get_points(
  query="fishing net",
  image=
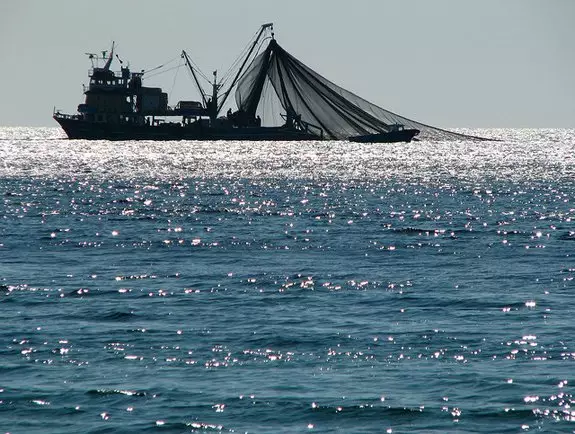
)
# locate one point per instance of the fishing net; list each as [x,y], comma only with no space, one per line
[279,88]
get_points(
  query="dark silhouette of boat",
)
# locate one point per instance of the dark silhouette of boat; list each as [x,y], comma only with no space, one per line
[118,106]
[78,128]
[397,133]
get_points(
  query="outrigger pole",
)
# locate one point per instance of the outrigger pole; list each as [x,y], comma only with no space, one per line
[240,71]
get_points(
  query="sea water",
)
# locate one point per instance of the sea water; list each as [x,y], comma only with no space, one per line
[287,287]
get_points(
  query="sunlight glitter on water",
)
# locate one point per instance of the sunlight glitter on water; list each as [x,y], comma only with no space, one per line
[46,155]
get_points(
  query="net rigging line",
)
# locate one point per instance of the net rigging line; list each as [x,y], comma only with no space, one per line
[163,65]
[174,81]
[254,55]
[233,67]
[164,71]
[196,68]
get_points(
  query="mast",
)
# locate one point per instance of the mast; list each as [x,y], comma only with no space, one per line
[213,106]
[110,58]
[241,70]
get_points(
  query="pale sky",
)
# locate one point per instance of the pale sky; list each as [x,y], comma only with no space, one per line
[448,63]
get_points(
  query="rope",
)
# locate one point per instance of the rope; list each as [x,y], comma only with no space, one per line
[164,71]
[174,82]
[240,57]
[161,66]
[199,71]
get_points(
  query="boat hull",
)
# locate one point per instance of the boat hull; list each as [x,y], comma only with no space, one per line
[81,129]
[405,135]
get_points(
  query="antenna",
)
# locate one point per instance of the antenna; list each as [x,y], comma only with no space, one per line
[91,56]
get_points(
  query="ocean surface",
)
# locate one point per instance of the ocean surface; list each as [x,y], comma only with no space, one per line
[176,287]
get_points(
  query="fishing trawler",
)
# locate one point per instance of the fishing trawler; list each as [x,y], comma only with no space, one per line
[277,98]
[119,107]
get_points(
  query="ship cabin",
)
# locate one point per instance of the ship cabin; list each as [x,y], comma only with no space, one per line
[119,97]
[113,97]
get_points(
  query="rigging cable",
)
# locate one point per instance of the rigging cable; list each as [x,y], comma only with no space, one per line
[174,82]
[161,66]
[199,71]
[239,58]
[254,55]
[164,71]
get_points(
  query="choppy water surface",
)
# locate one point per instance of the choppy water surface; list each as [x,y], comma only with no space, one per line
[287,287]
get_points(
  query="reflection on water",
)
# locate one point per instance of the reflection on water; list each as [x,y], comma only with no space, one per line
[286,287]
[521,154]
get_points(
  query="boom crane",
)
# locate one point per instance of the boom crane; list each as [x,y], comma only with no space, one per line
[192,70]
[263,28]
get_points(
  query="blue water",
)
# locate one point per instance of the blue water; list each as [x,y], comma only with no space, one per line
[287,287]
